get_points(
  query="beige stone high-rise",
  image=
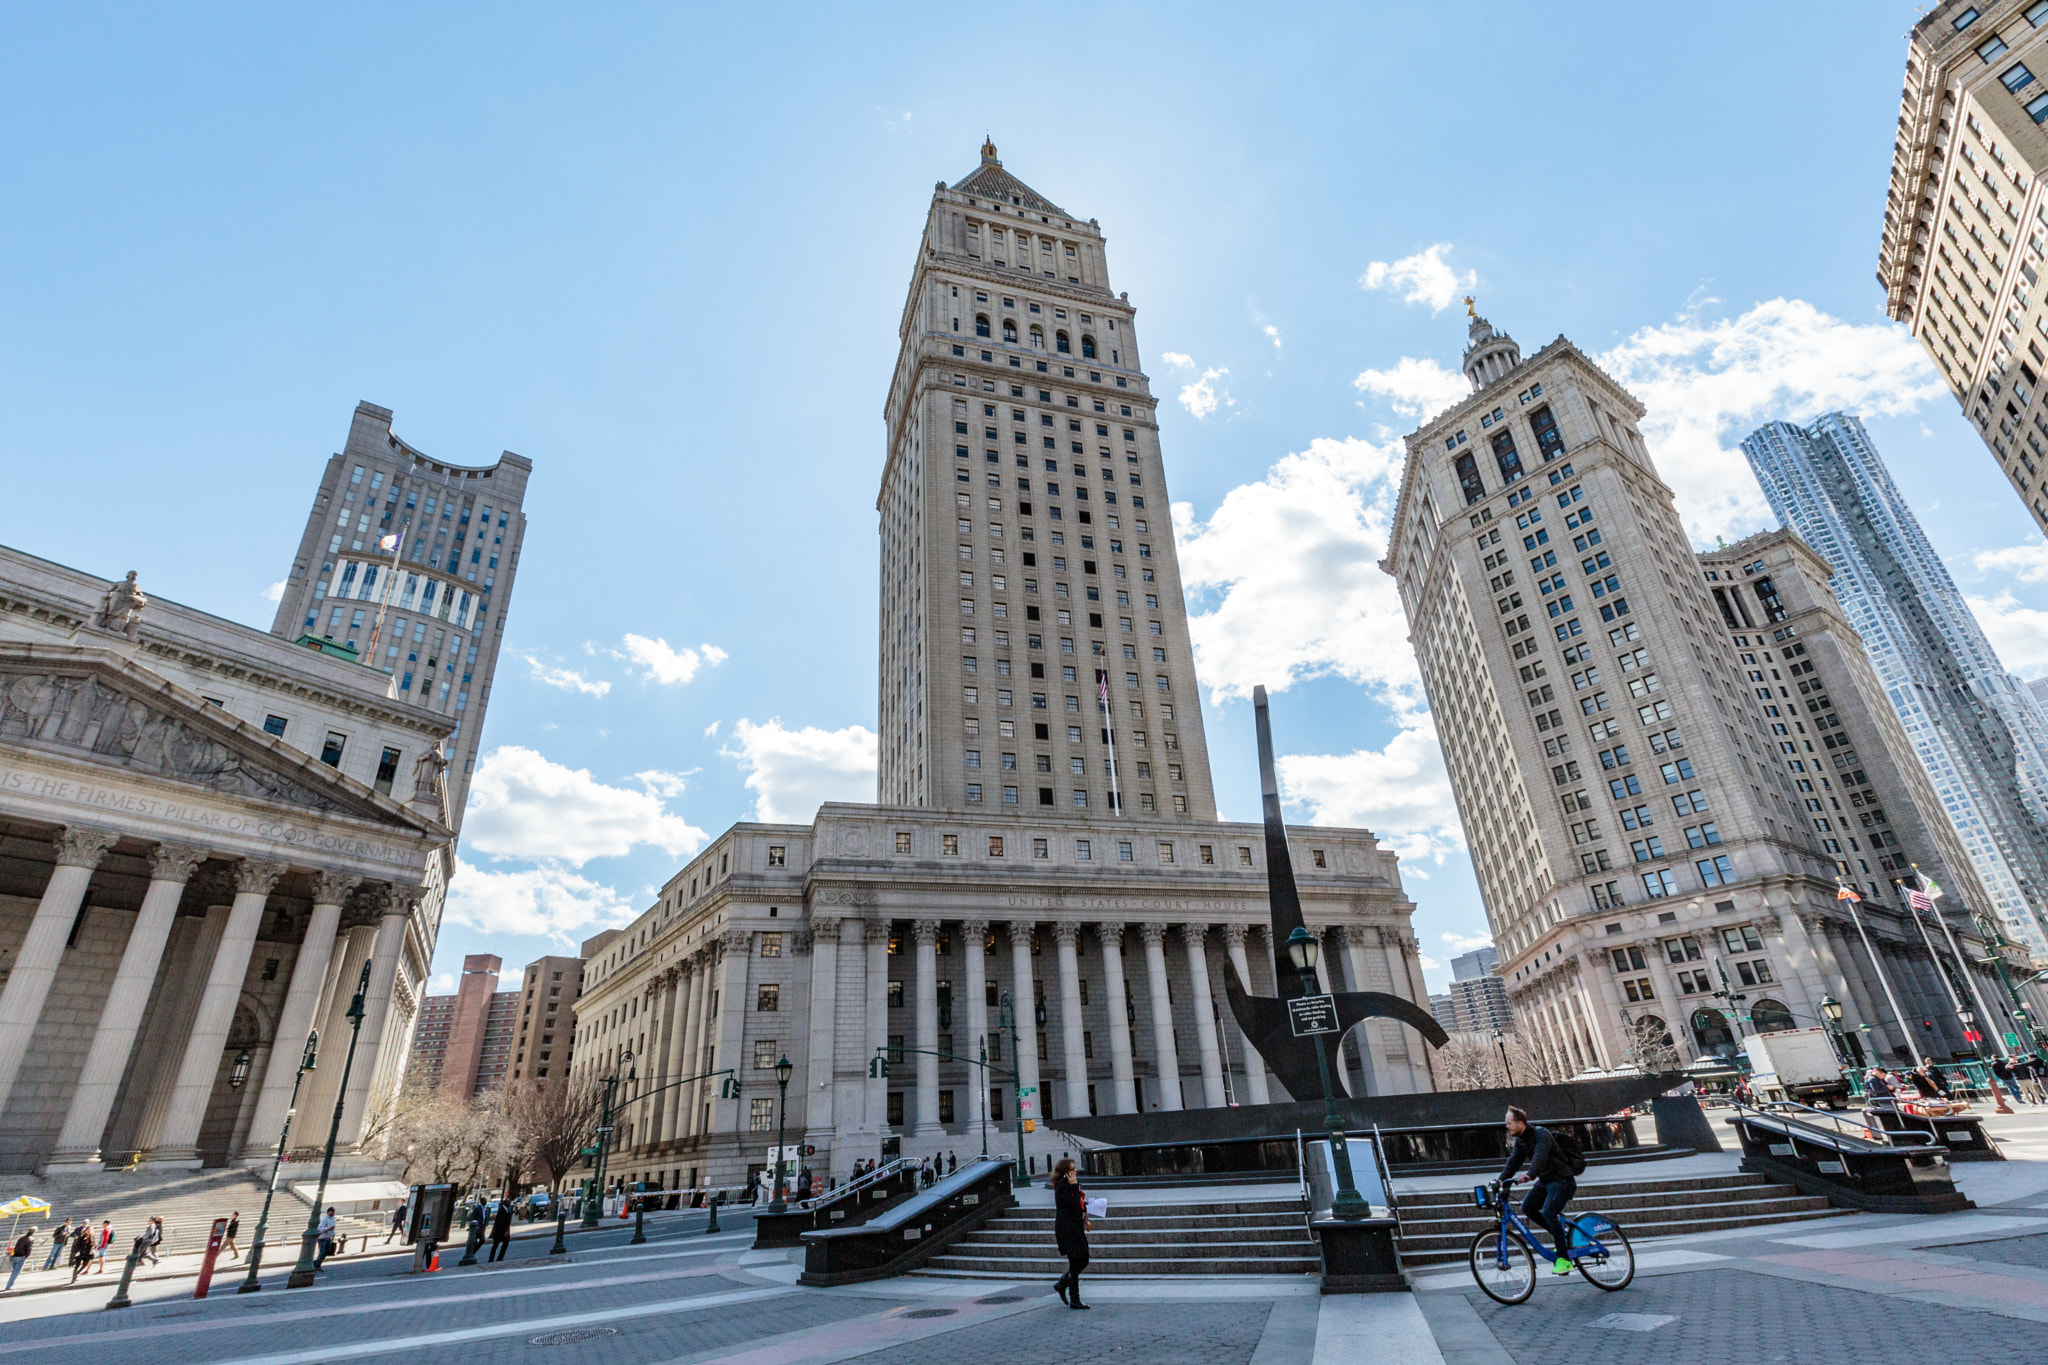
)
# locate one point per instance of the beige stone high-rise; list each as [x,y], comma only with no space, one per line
[1653,814]
[1966,221]
[1027,547]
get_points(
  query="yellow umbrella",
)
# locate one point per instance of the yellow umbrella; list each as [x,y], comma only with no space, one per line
[17,1209]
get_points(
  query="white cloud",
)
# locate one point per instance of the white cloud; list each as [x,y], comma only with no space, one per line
[2029,563]
[1465,943]
[1426,276]
[1708,385]
[1415,388]
[1289,566]
[441,983]
[275,592]
[1178,361]
[524,805]
[1274,333]
[1430,964]
[792,771]
[661,783]
[568,679]
[545,902]
[666,665]
[1202,396]
[1401,792]
[2018,633]
[711,729]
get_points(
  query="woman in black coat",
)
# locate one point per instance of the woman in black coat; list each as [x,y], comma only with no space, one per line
[1070,1229]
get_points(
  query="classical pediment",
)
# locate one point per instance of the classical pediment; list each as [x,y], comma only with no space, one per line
[88,704]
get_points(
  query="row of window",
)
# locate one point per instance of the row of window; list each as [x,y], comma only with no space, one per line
[1017,363]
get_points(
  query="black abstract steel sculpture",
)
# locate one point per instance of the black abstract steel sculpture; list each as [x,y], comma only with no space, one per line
[1264,1018]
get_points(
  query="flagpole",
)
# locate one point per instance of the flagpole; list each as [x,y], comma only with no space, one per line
[1883,979]
[1955,1001]
[384,601]
[1963,965]
[1116,801]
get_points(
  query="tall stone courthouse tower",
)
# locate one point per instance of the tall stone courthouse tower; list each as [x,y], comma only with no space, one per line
[1034,642]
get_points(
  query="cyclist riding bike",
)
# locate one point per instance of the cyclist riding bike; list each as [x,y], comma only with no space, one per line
[1550,1165]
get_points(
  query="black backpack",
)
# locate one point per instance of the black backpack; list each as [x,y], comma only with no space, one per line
[1569,1152]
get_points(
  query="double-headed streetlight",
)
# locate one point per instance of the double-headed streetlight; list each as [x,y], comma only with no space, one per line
[306,1063]
[303,1273]
[782,1073]
[1303,949]
[1006,1019]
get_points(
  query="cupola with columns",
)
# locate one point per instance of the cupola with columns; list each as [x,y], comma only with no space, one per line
[1488,354]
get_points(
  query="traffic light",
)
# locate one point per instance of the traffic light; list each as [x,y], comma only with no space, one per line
[878,1068]
[729,1088]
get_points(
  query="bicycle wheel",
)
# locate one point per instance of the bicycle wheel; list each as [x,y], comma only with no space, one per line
[1610,1262]
[1503,1265]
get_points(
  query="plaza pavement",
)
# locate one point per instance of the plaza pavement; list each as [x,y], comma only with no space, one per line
[1879,1288]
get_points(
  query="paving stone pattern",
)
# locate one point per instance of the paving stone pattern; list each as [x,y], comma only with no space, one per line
[1725,1316]
[2028,1251]
[1184,1333]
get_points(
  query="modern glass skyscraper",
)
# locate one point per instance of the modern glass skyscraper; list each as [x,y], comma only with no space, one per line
[1980,733]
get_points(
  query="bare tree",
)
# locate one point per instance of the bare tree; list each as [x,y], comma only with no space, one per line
[550,1124]
[1480,1061]
[1649,1044]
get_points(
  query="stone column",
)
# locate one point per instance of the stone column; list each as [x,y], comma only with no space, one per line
[295,1020]
[735,960]
[178,1144]
[1123,1076]
[1401,974]
[392,927]
[877,935]
[974,942]
[78,1145]
[678,1057]
[1865,994]
[351,950]
[664,1069]
[820,1061]
[1163,1046]
[1204,1005]
[34,970]
[692,1115]
[1074,1056]
[1353,938]
[1027,1021]
[925,933]
[1256,1089]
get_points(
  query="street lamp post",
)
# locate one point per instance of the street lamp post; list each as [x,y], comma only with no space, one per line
[593,1208]
[1500,1040]
[782,1073]
[1303,949]
[303,1273]
[1831,1014]
[984,1097]
[306,1063]
[1006,1018]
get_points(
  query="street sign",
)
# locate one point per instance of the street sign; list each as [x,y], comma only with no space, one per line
[1313,1014]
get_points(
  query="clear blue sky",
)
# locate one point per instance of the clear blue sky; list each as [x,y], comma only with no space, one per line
[662,252]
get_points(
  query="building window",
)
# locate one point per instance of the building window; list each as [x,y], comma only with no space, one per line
[771,945]
[895,1115]
[949,844]
[1244,855]
[764,1054]
[1083,851]
[274,725]
[1123,851]
[995,845]
[387,769]
[1165,851]
[330,752]
[778,855]
[1715,871]
[903,841]
[767,998]
[761,1115]
[1316,857]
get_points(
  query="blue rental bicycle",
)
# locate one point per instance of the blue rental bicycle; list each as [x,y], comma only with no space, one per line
[1504,1257]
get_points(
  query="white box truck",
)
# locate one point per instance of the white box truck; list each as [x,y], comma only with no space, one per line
[1796,1064]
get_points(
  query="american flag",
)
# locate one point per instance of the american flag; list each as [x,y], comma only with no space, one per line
[1843,893]
[1919,899]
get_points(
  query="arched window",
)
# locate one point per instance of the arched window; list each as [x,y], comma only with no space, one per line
[1009,330]
[1710,1030]
[1768,1016]
[1037,338]
[1087,347]
[1059,341]
[981,324]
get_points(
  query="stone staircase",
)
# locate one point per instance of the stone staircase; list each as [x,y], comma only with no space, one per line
[187,1201]
[1437,1226]
[1249,1237]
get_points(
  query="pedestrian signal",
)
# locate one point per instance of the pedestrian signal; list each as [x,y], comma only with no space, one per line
[1031,1125]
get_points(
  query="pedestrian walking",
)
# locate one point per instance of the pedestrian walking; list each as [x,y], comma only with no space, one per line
[2002,1073]
[152,1238]
[227,1241]
[501,1231]
[1070,1230]
[397,1223]
[23,1248]
[100,1245]
[952,1162]
[83,1244]
[324,1235]
[2030,1071]
[59,1241]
